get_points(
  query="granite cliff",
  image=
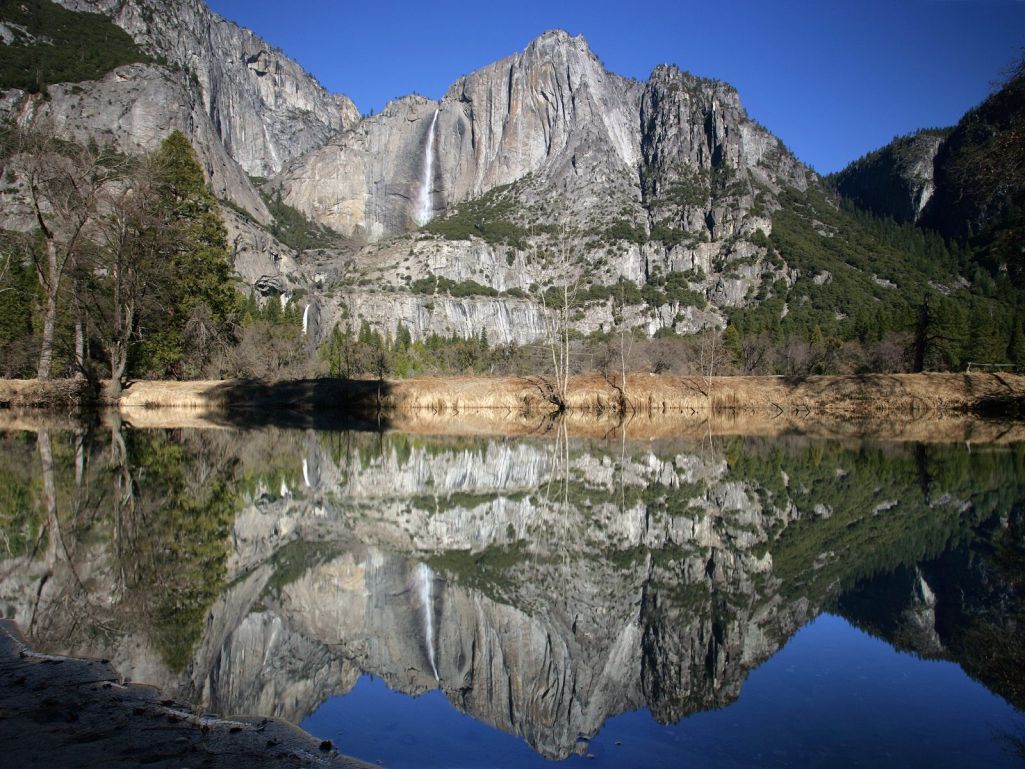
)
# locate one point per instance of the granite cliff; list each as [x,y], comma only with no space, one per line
[896,180]
[966,182]
[545,168]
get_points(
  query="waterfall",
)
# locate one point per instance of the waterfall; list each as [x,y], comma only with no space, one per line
[306,319]
[425,208]
[425,589]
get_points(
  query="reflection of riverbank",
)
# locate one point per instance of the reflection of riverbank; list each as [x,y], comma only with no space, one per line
[949,428]
[867,396]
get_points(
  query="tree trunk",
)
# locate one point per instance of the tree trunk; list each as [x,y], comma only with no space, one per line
[52,284]
[49,498]
[79,335]
[921,336]
[46,344]
[118,365]
[79,349]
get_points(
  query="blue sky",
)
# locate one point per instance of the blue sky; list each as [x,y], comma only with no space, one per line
[832,78]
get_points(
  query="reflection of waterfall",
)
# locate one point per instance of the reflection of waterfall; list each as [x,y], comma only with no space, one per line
[425,207]
[425,589]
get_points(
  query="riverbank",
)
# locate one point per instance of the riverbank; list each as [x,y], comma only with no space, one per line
[853,397]
[926,408]
[63,711]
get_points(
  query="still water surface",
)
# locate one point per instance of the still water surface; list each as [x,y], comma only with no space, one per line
[516,602]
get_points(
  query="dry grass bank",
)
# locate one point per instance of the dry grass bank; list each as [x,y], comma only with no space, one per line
[875,395]
[749,401]
[862,396]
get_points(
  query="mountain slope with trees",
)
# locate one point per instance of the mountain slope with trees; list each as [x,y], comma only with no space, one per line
[649,226]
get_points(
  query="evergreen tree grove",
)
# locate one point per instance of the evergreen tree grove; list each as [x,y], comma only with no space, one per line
[200,291]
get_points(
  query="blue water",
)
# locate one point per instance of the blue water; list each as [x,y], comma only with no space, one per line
[832,697]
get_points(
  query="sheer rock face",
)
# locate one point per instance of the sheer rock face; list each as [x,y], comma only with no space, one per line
[896,180]
[547,141]
[561,151]
[263,106]
[366,180]
[980,171]
[552,109]
[553,120]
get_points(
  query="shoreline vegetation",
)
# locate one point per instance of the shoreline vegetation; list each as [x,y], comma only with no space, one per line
[979,407]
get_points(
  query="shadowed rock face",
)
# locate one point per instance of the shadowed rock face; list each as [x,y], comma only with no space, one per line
[980,171]
[544,587]
[897,180]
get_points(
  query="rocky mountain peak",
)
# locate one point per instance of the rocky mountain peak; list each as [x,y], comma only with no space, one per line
[555,39]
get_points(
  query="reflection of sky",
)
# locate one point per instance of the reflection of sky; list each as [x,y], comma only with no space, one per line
[832,697]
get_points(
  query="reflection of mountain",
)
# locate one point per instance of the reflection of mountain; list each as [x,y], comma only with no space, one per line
[543,586]
[967,605]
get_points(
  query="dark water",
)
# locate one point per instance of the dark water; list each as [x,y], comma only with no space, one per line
[514,602]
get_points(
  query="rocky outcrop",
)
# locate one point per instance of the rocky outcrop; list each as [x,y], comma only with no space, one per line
[365,181]
[895,181]
[569,133]
[62,711]
[504,320]
[245,107]
[587,178]
[264,108]
[706,166]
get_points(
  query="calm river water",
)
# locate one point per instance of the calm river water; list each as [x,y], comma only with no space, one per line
[514,602]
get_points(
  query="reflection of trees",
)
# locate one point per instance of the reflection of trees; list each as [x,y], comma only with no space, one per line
[173,518]
[136,530]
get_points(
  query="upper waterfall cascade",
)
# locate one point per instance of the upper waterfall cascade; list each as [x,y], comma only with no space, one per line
[425,206]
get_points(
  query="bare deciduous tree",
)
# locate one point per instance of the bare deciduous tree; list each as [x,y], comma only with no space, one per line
[554,283]
[65,182]
[133,247]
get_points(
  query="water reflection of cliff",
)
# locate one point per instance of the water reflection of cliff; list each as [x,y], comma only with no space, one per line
[544,585]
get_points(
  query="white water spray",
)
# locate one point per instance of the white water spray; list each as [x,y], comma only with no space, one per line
[425,589]
[425,208]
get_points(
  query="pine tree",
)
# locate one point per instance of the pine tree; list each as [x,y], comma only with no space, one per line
[201,283]
[1016,344]
[403,339]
